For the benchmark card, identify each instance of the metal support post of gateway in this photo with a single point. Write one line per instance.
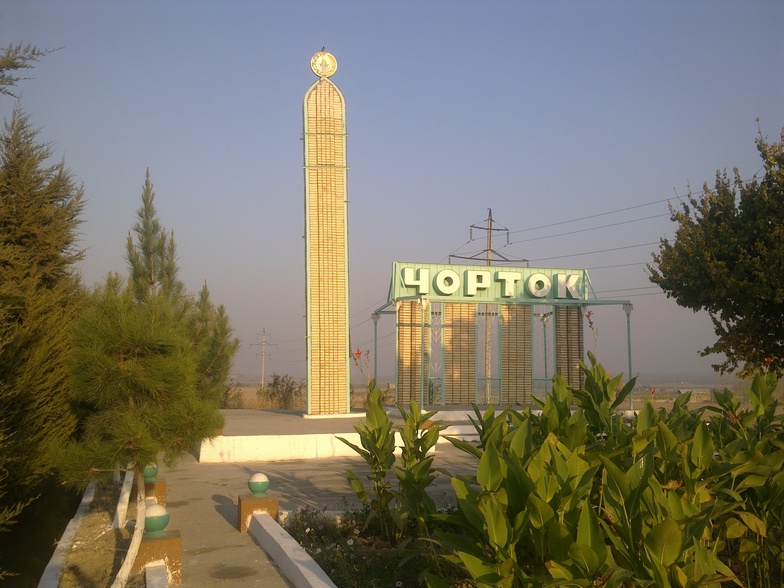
(627, 308)
(375, 345)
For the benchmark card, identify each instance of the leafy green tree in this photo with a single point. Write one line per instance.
(14, 58)
(40, 297)
(728, 258)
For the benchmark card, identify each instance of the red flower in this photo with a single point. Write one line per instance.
(653, 390)
(732, 418)
(768, 360)
(358, 354)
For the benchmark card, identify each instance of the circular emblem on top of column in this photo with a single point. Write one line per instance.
(323, 64)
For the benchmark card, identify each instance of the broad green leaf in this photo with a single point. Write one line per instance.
(774, 460)
(560, 572)
(748, 549)
(702, 447)
(619, 479)
(666, 440)
(489, 473)
(585, 558)
(625, 391)
(520, 442)
(617, 578)
(540, 511)
(675, 503)
(495, 522)
(646, 418)
(641, 441)
(680, 576)
(469, 448)
(559, 539)
(558, 454)
(357, 486)
(754, 523)
(752, 481)
(660, 575)
(589, 533)
(640, 471)
(485, 573)
(664, 542)
(467, 500)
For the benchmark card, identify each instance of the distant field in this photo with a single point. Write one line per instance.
(664, 395)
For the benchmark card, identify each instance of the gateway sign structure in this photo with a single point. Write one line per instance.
(532, 317)
(496, 285)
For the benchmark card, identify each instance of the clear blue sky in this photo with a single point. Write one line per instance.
(543, 111)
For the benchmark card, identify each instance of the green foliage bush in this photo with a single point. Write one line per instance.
(571, 493)
(283, 392)
(576, 496)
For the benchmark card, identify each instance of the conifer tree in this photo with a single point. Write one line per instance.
(146, 361)
(12, 59)
(152, 257)
(213, 345)
(133, 374)
(153, 268)
(40, 297)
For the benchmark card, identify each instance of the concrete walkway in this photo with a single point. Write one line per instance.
(202, 497)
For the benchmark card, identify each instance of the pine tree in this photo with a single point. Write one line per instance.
(146, 362)
(12, 59)
(152, 264)
(152, 257)
(214, 347)
(133, 373)
(40, 297)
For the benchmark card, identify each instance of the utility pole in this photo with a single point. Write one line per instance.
(263, 344)
(488, 340)
(490, 256)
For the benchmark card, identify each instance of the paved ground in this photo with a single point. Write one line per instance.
(202, 498)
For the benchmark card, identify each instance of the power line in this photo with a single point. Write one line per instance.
(626, 289)
(598, 267)
(597, 215)
(589, 229)
(597, 251)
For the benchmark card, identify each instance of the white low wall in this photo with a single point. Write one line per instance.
(51, 575)
(291, 558)
(241, 448)
(232, 449)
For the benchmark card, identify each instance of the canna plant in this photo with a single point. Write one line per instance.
(393, 510)
(378, 451)
(574, 496)
(600, 398)
(415, 472)
(753, 441)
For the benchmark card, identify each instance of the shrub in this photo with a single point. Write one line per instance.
(283, 392)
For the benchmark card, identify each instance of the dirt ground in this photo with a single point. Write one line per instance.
(98, 550)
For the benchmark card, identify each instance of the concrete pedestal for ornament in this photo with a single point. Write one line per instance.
(257, 502)
(155, 491)
(154, 487)
(160, 545)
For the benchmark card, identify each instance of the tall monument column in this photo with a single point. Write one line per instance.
(326, 242)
